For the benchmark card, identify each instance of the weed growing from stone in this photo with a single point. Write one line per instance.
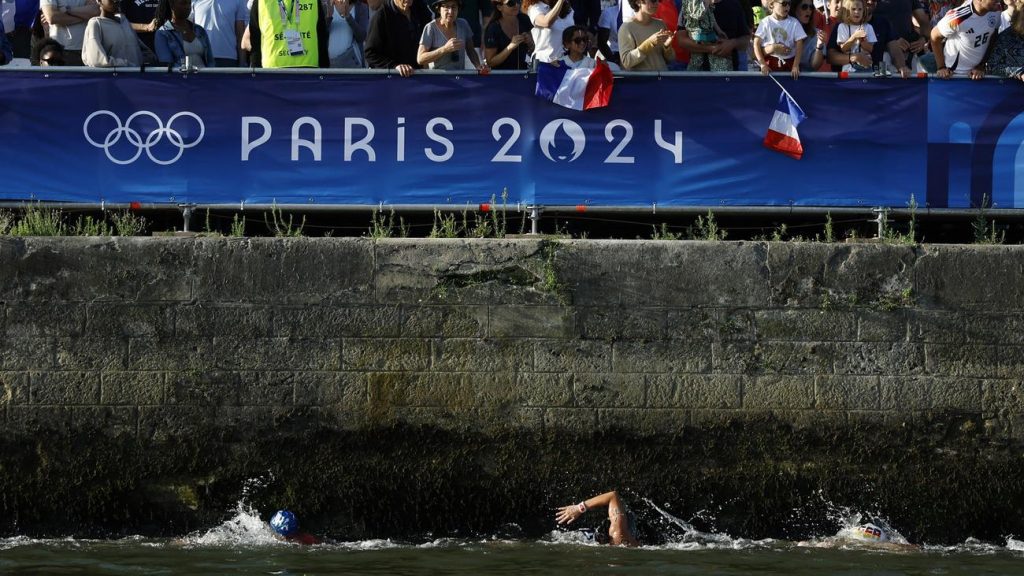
(706, 229)
(664, 233)
(549, 278)
(445, 226)
(237, 227)
(902, 299)
(829, 234)
(88, 226)
(39, 221)
(384, 227)
(126, 223)
(890, 236)
(984, 231)
(283, 228)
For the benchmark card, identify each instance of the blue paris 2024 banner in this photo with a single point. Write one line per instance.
(430, 140)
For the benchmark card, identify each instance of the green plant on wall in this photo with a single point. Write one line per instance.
(39, 221)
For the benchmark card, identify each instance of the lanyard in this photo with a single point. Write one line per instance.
(286, 14)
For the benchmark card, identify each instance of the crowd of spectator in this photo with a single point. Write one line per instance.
(968, 38)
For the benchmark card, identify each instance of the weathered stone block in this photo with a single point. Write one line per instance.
(64, 388)
(82, 269)
(266, 388)
(428, 321)
(26, 353)
(962, 359)
(905, 393)
(1003, 396)
(207, 388)
(889, 358)
(239, 320)
(326, 321)
(621, 323)
(573, 420)
(786, 392)
(39, 320)
(31, 420)
(795, 357)
(1011, 362)
(237, 353)
(729, 324)
(646, 421)
(160, 424)
(111, 421)
(847, 393)
(284, 270)
(694, 391)
(884, 326)
(121, 319)
(688, 273)
(91, 353)
(610, 390)
(463, 271)
(947, 276)
(549, 390)
(13, 388)
(335, 389)
(664, 356)
(530, 322)
(963, 395)
(806, 324)
(735, 358)
(959, 327)
(386, 354)
(156, 354)
(814, 275)
(574, 356)
(132, 388)
(472, 355)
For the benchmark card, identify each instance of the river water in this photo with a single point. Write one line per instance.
(243, 544)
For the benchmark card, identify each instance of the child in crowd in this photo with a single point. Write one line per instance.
(576, 41)
(699, 18)
(853, 34)
(779, 41)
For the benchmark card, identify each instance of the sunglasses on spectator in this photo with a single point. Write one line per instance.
(581, 40)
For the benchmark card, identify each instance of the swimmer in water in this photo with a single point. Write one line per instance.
(622, 522)
(874, 534)
(285, 526)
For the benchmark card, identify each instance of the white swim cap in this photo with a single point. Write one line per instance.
(871, 533)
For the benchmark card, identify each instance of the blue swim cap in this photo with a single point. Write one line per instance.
(284, 523)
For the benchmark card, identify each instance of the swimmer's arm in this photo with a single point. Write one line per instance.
(569, 514)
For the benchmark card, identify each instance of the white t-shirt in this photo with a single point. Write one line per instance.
(785, 32)
(7, 9)
(586, 62)
(547, 42)
(609, 19)
(218, 18)
(843, 33)
(967, 35)
(69, 36)
(1005, 20)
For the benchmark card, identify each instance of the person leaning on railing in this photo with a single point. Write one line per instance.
(645, 44)
(394, 37)
(1007, 57)
(288, 34)
(447, 41)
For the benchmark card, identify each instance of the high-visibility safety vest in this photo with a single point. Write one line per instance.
(299, 15)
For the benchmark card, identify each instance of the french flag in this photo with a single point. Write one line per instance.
(782, 135)
(576, 88)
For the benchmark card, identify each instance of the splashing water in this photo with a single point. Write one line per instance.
(245, 528)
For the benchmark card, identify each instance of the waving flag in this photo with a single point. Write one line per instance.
(782, 135)
(576, 88)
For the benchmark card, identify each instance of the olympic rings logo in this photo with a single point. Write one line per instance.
(133, 135)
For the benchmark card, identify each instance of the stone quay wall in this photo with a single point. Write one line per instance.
(144, 381)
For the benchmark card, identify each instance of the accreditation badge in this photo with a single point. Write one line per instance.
(294, 39)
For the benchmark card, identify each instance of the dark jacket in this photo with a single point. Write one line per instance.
(255, 36)
(394, 39)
